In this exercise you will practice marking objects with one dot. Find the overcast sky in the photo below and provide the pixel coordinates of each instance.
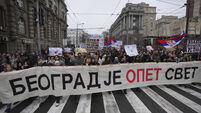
(98, 13)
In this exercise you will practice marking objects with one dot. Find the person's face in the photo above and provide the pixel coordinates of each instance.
(116, 59)
(40, 60)
(25, 63)
(57, 58)
(8, 68)
(87, 61)
(15, 65)
(57, 64)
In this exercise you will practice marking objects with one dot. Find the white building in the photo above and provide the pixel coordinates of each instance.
(75, 37)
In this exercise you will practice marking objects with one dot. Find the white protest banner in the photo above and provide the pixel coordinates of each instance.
(55, 51)
(96, 43)
(68, 50)
(131, 50)
(83, 45)
(193, 46)
(101, 43)
(92, 45)
(119, 43)
(78, 80)
(149, 48)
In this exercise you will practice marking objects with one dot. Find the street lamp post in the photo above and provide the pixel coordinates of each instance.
(77, 33)
(127, 28)
(38, 28)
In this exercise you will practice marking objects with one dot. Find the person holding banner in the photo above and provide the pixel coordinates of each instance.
(8, 106)
(51, 61)
(107, 61)
(123, 59)
(57, 63)
(156, 56)
(116, 60)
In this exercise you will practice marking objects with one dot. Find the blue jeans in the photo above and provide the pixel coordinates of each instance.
(8, 106)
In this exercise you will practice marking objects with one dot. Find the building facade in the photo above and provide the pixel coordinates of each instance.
(197, 8)
(149, 19)
(18, 18)
(162, 26)
(172, 26)
(75, 37)
(134, 21)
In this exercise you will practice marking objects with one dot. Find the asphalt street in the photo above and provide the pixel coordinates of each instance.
(155, 99)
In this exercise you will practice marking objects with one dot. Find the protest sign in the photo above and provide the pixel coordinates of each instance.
(131, 50)
(92, 45)
(68, 50)
(55, 51)
(149, 48)
(193, 46)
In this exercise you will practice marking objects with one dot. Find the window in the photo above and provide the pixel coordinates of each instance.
(20, 3)
(21, 26)
(50, 4)
(134, 18)
(63, 15)
(151, 18)
(200, 10)
(55, 10)
(134, 24)
(2, 18)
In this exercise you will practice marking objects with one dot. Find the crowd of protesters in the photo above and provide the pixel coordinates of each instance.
(19, 61)
(106, 56)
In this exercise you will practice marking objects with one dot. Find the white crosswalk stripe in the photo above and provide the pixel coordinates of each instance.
(199, 87)
(111, 106)
(181, 98)
(136, 103)
(168, 107)
(192, 92)
(84, 105)
(110, 103)
(32, 107)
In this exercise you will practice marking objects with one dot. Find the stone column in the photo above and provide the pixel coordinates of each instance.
(49, 23)
(140, 21)
(124, 22)
(129, 21)
(31, 20)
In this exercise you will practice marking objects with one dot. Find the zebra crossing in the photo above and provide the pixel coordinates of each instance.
(156, 99)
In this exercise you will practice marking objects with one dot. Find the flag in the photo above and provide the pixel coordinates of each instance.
(170, 43)
(111, 42)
